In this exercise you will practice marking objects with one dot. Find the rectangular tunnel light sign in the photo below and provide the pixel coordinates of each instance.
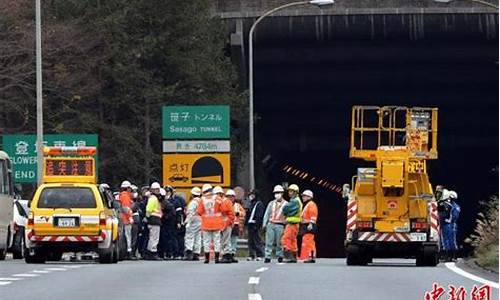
(187, 170)
(195, 122)
(196, 146)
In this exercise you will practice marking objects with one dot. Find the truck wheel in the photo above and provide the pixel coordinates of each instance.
(38, 257)
(3, 253)
(355, 256)
(18, 245)
(106, 256)
(428, 256)
(122, 241)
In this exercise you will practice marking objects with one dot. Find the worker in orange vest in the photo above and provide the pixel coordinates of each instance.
(309, 228)
(125, 198)
(292, 211)
(212, 222)
(228, 216)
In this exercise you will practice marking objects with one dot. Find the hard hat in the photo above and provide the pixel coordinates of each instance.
(163, 192)
(278, 189)
(206, 188)
(126, 184)
(169, 188)
(104, 186)
(196, 191)
(445, 195)
(134, 187)
(308, 193)
(155, 185)
(218, 190)
(230, 192)
(453, 195)
(293, 187)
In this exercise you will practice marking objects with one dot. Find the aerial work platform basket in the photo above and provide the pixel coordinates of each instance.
(394, 128)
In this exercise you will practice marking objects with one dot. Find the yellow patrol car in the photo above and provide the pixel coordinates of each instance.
(69, 211)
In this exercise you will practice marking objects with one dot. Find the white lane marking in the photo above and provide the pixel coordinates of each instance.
(5, 282)
(260, 270)
(454, 268)
(56, 269)
(254, 297)
(40, 271)
(253, 280)
(280, 264)
(25, 275)
(9, 279)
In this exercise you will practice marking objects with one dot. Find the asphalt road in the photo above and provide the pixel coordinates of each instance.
(327, 279)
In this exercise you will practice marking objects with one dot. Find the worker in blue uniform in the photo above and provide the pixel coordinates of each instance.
(448, 215)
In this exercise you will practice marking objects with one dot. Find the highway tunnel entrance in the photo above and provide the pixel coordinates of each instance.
(307, 79)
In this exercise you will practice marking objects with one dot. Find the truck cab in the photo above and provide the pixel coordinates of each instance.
(69, 212)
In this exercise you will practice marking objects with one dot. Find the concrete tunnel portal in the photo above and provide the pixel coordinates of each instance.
(310, 71)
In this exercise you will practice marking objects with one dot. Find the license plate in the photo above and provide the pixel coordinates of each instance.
(66, 222)
(418, 236)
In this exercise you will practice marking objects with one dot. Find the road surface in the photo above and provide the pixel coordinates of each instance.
(327, 279)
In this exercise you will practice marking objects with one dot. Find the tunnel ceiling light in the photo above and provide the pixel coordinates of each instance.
(321, 2)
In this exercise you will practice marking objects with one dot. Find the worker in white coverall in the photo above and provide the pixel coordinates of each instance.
(192, 240)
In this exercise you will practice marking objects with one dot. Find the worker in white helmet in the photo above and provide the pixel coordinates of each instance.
(192, 241)
(125, 198)
(308, 227)
(292, 211)
(210, 210)
(274, 224)
(153, 214)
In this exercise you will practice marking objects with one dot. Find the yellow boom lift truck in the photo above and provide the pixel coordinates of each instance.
(391, 211)
(69, 211)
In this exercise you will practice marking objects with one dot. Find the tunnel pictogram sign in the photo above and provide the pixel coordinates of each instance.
(186, 170)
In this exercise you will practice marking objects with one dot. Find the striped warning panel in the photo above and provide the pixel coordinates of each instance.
(66, 238)
(352, 212)
(434, 221)
(384, 237)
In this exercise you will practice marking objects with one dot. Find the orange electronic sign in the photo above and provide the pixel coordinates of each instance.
(69, 164)
(69, 167)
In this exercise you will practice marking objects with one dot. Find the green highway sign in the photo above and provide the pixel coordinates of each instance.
(22, 150)
(196, 122)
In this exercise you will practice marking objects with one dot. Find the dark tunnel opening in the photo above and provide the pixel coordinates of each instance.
(305, 88)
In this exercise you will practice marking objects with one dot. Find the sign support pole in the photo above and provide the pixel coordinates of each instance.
(39, 96)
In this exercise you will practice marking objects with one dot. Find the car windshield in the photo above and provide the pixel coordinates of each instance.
(74, 197)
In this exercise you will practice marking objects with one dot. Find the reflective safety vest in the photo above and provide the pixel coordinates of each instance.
(295, 218)
(125, 198)
(227, 212)
(277, 216)
(240, 213)
(210, 210)
(310, 213)
(153, 208)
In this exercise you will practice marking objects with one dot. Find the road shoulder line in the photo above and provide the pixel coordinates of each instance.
(451, 266)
